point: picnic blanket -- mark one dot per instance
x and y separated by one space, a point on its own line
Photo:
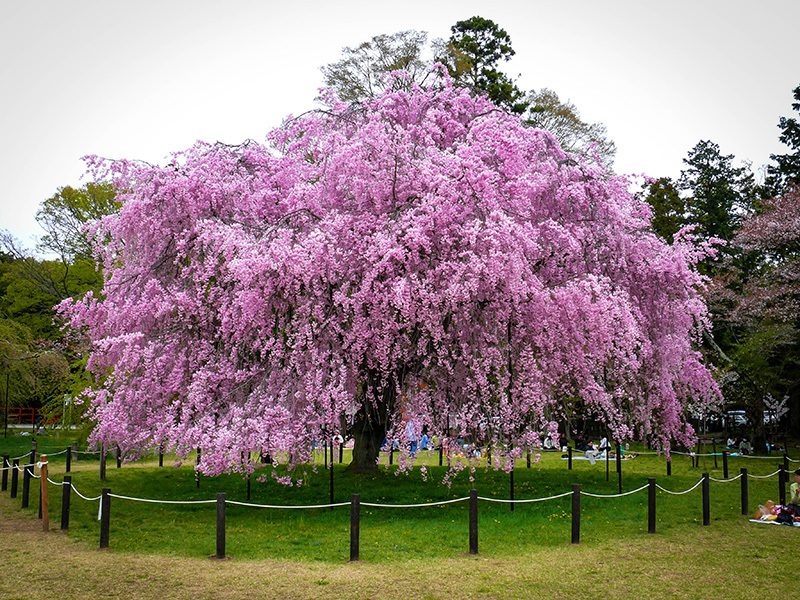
796 524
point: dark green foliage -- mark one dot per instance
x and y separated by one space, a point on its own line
787 171
669 209
477 46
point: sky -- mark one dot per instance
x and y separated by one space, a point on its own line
139 80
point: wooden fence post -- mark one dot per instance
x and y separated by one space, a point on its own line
221 525
6 466
66 493
473 521
102 462
706 500
44 504
14 478
745 493
576 513
355 526
26 484
651 505
105 517
511 483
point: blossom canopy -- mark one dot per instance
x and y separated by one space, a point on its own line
422 257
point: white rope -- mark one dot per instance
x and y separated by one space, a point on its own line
162 501
764 476
527 500
289 506
74 489
644 487
55 482
694 487
440 503
793 459
725 480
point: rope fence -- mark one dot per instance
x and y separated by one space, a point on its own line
12 466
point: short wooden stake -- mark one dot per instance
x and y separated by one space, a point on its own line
66 495
651 505
221 525
6 467
102 463
26 484
355 526
576 513
45 501
14 478
511 484
105 517
745 493
706 500
473 521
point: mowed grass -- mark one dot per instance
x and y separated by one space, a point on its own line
164 549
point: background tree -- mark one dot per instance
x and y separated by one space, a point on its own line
361 73
562 119
669 208
476 48
720 195
786 173
422 259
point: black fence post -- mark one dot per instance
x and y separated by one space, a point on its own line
161 455
119 457
706 500
569 458
69 459
725 464
528 458
341 452
102 463
651 505
66 494
619 467
714 451
745 493
783 477
26 484
14 478
511 484
105 517
196 470
220 525
473 521
576 513
33 452
441 453
786 462
331 478
355 526
6 466
669 467
391 453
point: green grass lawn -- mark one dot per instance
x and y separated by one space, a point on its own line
389 534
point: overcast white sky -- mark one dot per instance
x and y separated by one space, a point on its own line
140 79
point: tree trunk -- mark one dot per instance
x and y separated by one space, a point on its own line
366 447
